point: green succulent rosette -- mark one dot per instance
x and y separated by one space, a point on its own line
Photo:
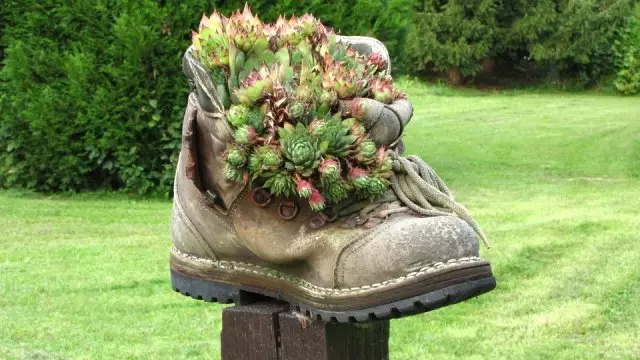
280 85
301 149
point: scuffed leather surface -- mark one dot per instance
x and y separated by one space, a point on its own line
403 245
190 187
291 244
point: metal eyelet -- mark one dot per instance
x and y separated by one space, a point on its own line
317 221
288 210
261 197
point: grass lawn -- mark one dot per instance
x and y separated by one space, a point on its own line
553 178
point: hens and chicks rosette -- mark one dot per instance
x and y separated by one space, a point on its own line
280 85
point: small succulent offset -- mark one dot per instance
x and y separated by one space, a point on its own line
281 85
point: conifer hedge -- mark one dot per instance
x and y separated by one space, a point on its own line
92 94
569 38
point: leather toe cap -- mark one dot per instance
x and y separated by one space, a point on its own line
403 245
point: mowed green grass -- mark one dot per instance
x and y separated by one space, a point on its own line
554 179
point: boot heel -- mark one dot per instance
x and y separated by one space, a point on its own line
210 291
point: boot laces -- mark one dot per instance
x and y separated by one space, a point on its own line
415 187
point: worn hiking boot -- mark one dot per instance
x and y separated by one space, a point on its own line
413 251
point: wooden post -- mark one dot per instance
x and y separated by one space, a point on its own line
269 330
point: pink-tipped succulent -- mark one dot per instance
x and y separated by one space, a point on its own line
358 130
329 169
316 201
345 82
215 23
357 108
248 31
378 61
382 90
254 85
211 42
384 164
304 188
245 135
307 24
359 177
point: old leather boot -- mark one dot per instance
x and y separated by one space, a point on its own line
413 251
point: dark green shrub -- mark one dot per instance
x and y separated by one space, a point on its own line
567 37
574 36
92 94
451 35
627 55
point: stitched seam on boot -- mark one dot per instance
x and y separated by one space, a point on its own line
192 229
201 198
260 270
223 219
352 248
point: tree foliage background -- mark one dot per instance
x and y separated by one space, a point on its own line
91 91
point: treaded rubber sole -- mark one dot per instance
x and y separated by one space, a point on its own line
206 290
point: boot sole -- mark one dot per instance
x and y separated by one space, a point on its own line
442 287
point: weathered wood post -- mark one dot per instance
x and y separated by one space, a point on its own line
270 330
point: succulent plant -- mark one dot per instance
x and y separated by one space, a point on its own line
280 183
247 31
307 24
271 157
336 133
345 82
237 115
234 174
359 177
265 157
236 156
329 170
251 88
316 200
367 152
376 187
245 135
274 79
334 192
358 130
384 164
378 62
357 108
211 42
328 97
303 188
301 149
296 109
382 90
